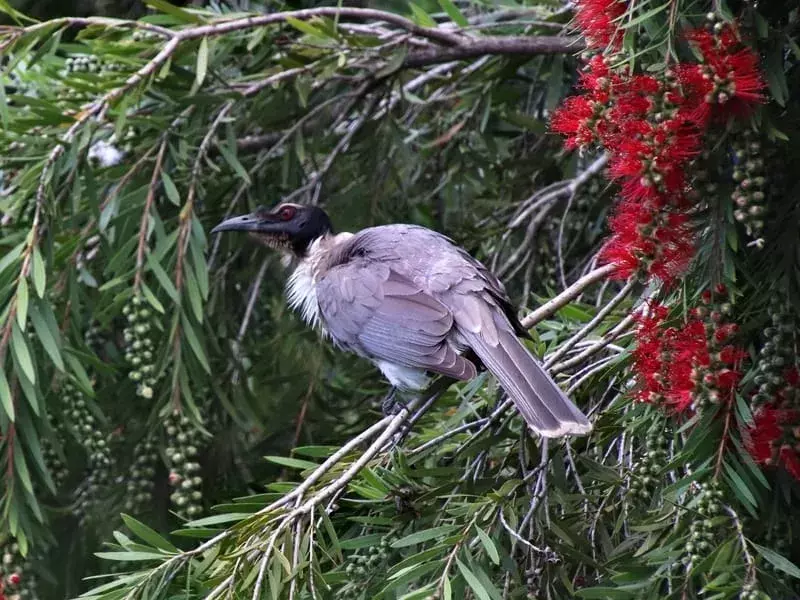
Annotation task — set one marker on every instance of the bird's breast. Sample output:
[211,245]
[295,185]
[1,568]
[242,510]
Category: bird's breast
[301,292]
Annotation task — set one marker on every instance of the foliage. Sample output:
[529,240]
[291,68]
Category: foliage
[152,372]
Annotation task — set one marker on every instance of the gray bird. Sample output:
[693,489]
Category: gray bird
[412,302]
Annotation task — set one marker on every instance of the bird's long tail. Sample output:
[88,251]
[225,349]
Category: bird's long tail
[542,404]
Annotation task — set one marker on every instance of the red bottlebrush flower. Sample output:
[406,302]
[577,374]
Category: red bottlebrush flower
[729,77]
[652,346]
[576,119]
[766,439]
[597,20]
[790,460]
[645,240]
[14,579]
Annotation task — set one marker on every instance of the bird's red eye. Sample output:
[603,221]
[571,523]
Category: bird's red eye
[287,212]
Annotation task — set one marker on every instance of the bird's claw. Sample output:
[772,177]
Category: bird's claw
[392,403]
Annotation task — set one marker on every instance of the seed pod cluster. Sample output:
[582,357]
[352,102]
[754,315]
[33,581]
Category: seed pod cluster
[777,358]
[646,474]
[94,337]
[182,452]
[750,193]
[16,574]
[141,35]
[702,529]
[716,378]
[140,478]
[363,565]
[52,461]
[139,346]
[85,427]
[751,592]
[82,63]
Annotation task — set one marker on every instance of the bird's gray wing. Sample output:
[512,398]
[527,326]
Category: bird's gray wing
[375,311]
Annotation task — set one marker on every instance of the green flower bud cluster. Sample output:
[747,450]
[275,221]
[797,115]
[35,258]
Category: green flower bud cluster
[94,337]
[140,483]
[363,565]
[776,357]
[751,592]
[16,574]
[52,461]
[647,470]
[702,529]
[82,63]
[85,427]
[139,347]
[750,177]
[141,35]
[183,452]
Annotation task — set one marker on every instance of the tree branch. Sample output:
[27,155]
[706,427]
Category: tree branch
[495,45]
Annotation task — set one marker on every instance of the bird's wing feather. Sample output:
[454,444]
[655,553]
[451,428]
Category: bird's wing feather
[370,308]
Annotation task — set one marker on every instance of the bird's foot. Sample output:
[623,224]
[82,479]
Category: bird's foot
[392,403]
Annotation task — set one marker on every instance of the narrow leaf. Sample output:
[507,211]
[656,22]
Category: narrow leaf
[488,544]
[778,561]
[170,189]
[473,581]
[146,534]
[20,348]
[424,536]
[202,62]
[39,275]
[5,396]
[162,277]
[22,303]
[454,13]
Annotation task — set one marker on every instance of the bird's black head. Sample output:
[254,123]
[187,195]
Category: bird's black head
[287,227]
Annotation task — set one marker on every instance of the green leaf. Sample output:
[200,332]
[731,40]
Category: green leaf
[453,12]
[170,189]
[131,556]
[420,17]
[202,62]
[778,561]
[234,163]
[218,519]
[488,544]
[11,256]
[603,593]
[21,467]
[22,303]
[171,9]
[447,590]
[146,534]
[20,348]
[424,536]
[292,463]
[151,298]
[5,396]
[305,27]
[47,337]
[39,275]
[473,582]
[163,278]
[194,343]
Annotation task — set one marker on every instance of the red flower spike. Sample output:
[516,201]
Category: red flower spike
[764,439]
[598,20]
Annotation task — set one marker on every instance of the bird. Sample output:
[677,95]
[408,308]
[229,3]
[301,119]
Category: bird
[411,301]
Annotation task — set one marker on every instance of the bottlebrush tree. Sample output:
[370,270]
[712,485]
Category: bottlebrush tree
[167,426]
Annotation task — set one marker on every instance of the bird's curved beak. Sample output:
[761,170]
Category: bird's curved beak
[251,223]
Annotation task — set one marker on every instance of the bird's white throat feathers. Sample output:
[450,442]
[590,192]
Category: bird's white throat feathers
[301,289]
